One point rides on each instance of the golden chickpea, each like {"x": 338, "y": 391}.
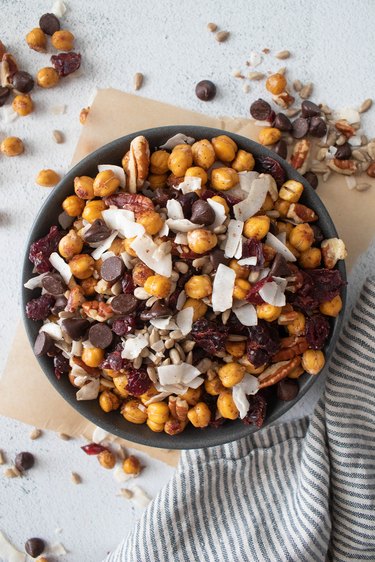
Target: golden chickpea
{"x": 276, "y": 83}
{"x": 151, "y": 221}
{"x": 192, "y": 395}
{"x": 291, "y": 191}
{"x": 150, "y": 393}
{"x": 198, "y": 306}
{"x": 23, "y": 105}
{"x": 70, "y": 245}
{"x": 313, "y": 361}
{"x": 12, "y": 146}
{"x": 47, "y": 178}
{"x": 225, "y": 148}
{"x": 128, "y": 248}
{"x": 88, "y": 286}
{"x": 231, "y": 374}
{"x": 37, "y": 40}
{"x": 241, "y": 288}
{"x": 235, "y": 348}
{"x": 121, "y": 383}
{"x": 134, "y": 411}
{"x": 132, "y": 466}
{"x": 117, "y": 246}
{"x": 222, "y": 201}
{"x": 199, "y": 415}
{"x": 226, "y": 406}
{"x": 224, "y": 178}
{"x": 203, "y": 154}
{"x": 140, "y": 273}
{"x": 84, "y": 187}
{"x": 93, "y": 210}
{"x": 82, "y": 266}
{"x": 197, "y": 172}
{"x": 301, "y": 237}
{"x": 257, "y": 227}
{"x": 282, "y": 206}
{"x": 180, "y": 160}
{"x": 296, "y": 372}
{"x": 201, "y": 240}
{"x": 332, "y": 307}
{"x": 158, "y": 286}
{"x": 198, "y": 287}
{"x": 244, "y": 161}
{"x": 108, "y": 401}
{"x": 156, "y": 427}
{"x": 159, "y": 162}
{"x": 158, "y": 412}
{"x": 311, "y": 258}
{"x": 297, "y": 327}
{"x": 63, "y": 40}
{"x": 268, "y": 312}
{"x": 250, "y": 367}
{"x": 241, "y": 271}
{"x": 269, "y": 135}
{"x": 214, "y": 386}
{"x": 47, "y": 77}
{"x": 106, "y": 459}
{"x": 73, "y": 205}
{"x": 268, "y": 203}
{"x": 105, "y": 183}
{"x": 92, "y": 356}
{"x": 286, "y": 227}
{"x": 157, "y": 181}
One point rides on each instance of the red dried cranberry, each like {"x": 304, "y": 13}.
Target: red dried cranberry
{"x": 327, "y": 283}
{"x": 253, "y": 247}
{"x": 317, "y": 331}
{"x": 231, "y": 199}
{"x": 257, "y": 411}
{"x": 40, "y": 308}
{"x": 127, "y": 284}
{"x": 209, "y": 335}
{"x": 114, "y": 361}
{"x": 138, "y": 381}
{"x": 93, "y": 449}
{"x": 263, "y": 342}
{"x": 61, "y": 365}
{"x": 235, "y": 327}
{"x": 208, "y": 194}
{"x": 253, "y": 295}
{"x": 268, "y": 165}
{"x": 124, "y": 325}
{"x": 66, "y": 63}
{"x": 41, "y": 249}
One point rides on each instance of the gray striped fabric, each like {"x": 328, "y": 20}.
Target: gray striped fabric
{"x": 301, "y": 491}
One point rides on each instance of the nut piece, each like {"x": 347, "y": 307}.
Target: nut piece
{"x": 333, "y": 249}
{"x": 47, "y": 178}
{"x": 284, "y": 100}
{"x": 75, "y": 478}
{"x": 300, "y": 152}
{"x": 278, "y": 371}
{"x": 12, "y": 146}
{"x": 83, "y": 115}
{"x": 365, "y": 105}
{"x": 138, "y": 81}
{"x": 222, "y": 36}
{"x": 37, "y": 40}
{"x": 139, "y": 161}
{"x": 212, "y": 27}
{"x": 35, "y": 434}
{"x": 346, "y": 167}
{"x": 300, "y": 213}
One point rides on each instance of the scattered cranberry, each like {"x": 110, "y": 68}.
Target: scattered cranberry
{"x": 257, "y": 411}
{"x": 209, "y": 335}
{"x": 317, "y": 331}
{"x": 66, "y": 63}
{"x": 138, "y": 381}
{"x": 93, "y": 449}
{"x": 41, "y": 249}
{"x": 40, "y": 308}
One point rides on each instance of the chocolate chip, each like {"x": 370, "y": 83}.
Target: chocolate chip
{"x": 300, "y": 128}
{"x": 4, "y": 94}
{"x": 34, "y": 547}
{"x": 202, "y": 213}
{"x": 49, "y": 24}
{"x": 100, "y": 335}
{"x": 54, "y": 284}
{"x": 310, "y": 109}
{"x": 287, "y": 389}
{"x": 97, "y": 232}
{"x": 112, "y": 269}
{"x": 124, "y": 304}
{"x": 312, "y": 178}
{"x": 60, "y": 304}
{"x": 281, "y": 148}
{"x": 260, "y": 110}
{"x": 43, "y": 344}
{"x": 343, "y": 152}
{"x": 318, "y": 233}
{"x": 75, "y": 327}
{"x": 22, "y": 81}
{"x": 279, "y": 267}
{"x": 24, "y": 461}
{"x": 217, "y": 257}
{"x": 282, "y": 122}
{"x": 205, "y": 90}
{"x": 186, "y": 201}
{"x": 158, "y": 310}
{"x": 318, "y": 127}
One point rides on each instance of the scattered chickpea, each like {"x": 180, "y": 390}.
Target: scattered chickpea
{"x": 243, "y": 162}
{"x": 332, "y": 307}
{"x": 107, "y": 459}
{"x": 84, "y": 187}
{"x": 180, "y": 160}
{"x": 133, "y": 413}
{"x": 159, "y": 162}
{"x": 269, "y": 135}
{"x": 197, "y": 172}
{"x": 73, "y": 205}
{"x": 231, "y": 374}
{"x": 276, "y": 83}
{"x": 241, "y": 288}
{"x": 70, "y": 245}
{"x": 313, "y": 361}
{"x": 158, "y": 286}
{"x": 37, "y": 40}
{"x": 226, "y": 406}
{"x": 198, "y": 306}
{"x": 82, "y": 266}
{"x": 158, "y": 412}
{"x": 257, "y": 227}
{"x": 93, "y": 210}
{"x": 88, "y": 286}
{"x": 201, "y": 240}
{"x": 235, "y": 348}
{"x": 297, "y": 327}
{"x": 151, "y": 221}
{"x": 92, "y": 356}
{"x": 63, "y": 40}
{"x": 132, "y": 466}
{"x": 199, "y": 415}
{"x": 198, "y": 287}
{"x": 108, "y": 401}
{"x": 47, "y": 77}
{"x": 222, "y": 201}
{"x": 224, "y": 178}
{"x": 301, "y": 237}
{"x": 268, "y": 312}
{"x": 225, "y": 148}
{"x": 22, "y": 104}
{"x": 48, "y": 178}
{"x": 311, "y": 258}
{"x": 291, "y": 191}
{"x": 12, "y": 146}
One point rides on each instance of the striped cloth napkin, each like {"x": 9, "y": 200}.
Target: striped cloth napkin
{"x": 300, "y": 491}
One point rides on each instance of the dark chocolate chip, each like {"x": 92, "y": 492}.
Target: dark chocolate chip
{"x": 34, "y": 547}
{"x": 97, "y": 232}
{"x": 49, "y": 23}
{"x": 100, "y": 335}
{"x": 43, "y": 344}
{"x": 287, "y": 389}
{"x": 4, "y": 94}
{"x": 186, "y": 201}
{"x": 24, "y": 461}
{"x": 75, "y": 327}
{"x": 158, "y": 310}
{"x": 124, "y": 304}
{"x": 283, "y": 123}
{"x": 279, "y": 267}
{"x": 343, "y": 152}
{"x": 217, "y": 257}
{"x": 112, "y": 269}
{"x": 60, "y": 304}
{"x": 260, "y": 110}
{"x": 54, "y": 284}
{"x": 22, "y": 81}
{"x": 205, "y": 90}
{"x": 318, "y": 127}
{"x": 202, "y": 213}
{"x": 310, "y": 109}
{"x": 281, "y": 148}
{"x": 312, "y": 178}
{"x": 300, "y": 128}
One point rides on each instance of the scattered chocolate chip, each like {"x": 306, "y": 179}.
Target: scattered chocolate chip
{"x": 300, "y": 128}
{"x": 97, "y": 232}
{"x": 4, "y": 94}
{"x": 49, "y": 23}
{"x": 112, "y": 269}
{"x": 34, "y": 547}
{"x": 287, "y": 389}
{"x": 100, "y": 335}
{"x": 202, "y": 213}
{"x": 124, "y": 304}
{"x": 217, "y": 257}
{"x": 281, "y": 148}
{"x": 22, "y": 81}
{"x": 318, "y": 127}
{"x": 24, "y": 461}
{"x": 75, "y": 327}
{"x": 279, "y": 267}
{"x": 205, "y": 90}
{"x": 310, "y": 109}
{"x": 59, "y": 305}
{"x": 343, "y": 152}
{"x": 54, "y": 284}
{"x": 312, "y": 178}
{"x": 43, "y": 344}
{"x": 260, "y": 110}
{"x": 158, "y": 310}
{"x": 283, "y": 123}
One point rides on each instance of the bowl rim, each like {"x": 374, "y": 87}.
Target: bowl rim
{"x": 215, "y": 437}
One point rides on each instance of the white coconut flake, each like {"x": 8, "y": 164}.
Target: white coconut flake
{"x": 246, "y": 179}
{"x": 195, "y": 383}
{"x": 164, "y": 323}
{"x": 246, "y": 314}
{"x": 134, "y": 345}
{"x": 174, "y": 209}
{"x": 271, "y": 293}
{"x": 89, "y": 391}
{"x": 331, "y": 152}
{"x": 61, "y": 266}
{"x": 157, "y": 398}
{"x": 65, "y": 221}
{"x": 222, "y": 290}
{"x": 183, "y": 373}
{"x": 8, "y": 552}
{"x": 77, "y": 347}
{"x": 35, "y": 282}
{"x": 117, "y": 170}
{"x": 122, "y": 221}
{"x": 255, "y": 59}
{"x": 8, "y": 114}
{"x": 251, "y": 260}
{"x": 248, "y": 385}
{"x": 119, "y": 475}
{"x": 184, "y": 320}
{"x": 146, "y": 249}
{"x": 182, "y": 225}
{"x": 181, "y": 238}
{"x": 99, "y": 251}
{"x": 234, "y": 237}
{"x": 99, "y": 434}
{"x": 190, "y": 185}
{"x": 140, "y": 497}
{"x": 53, "y": 330}
{"x": 164, "y": 231}
{"x": 220, "y": 215}
{"x": 58, "y": 8}
{"x": 254, "y": 201}
{"x": 263, "y": 273}
{"x": 180, "y": 138}
{"x": 171, "y": 388}
{"x": 127, "y": 259}
{"x": 277, "y": 245}
{"x": 181, "y": 300}
{"x": 350, "y": 114}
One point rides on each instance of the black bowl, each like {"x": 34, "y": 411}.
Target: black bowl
{"x": 113, "y": 422}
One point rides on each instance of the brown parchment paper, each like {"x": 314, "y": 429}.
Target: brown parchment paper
{"x": 113, "y": 114}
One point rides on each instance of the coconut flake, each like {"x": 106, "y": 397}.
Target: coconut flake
{"x": 149, "y": 253}
{"x": 58, "y": 8}
{"x": 254, "y": 201}
{"x": 277, "y": 245}
{"x": 174, "y": 209}
{"x": 248, "y": 385}
{"x": 140, "y": 497}
{"x": 53, "y": 330}
{"x": 271, "y": 293}
{"x": 117, "y": 170}
{"x": 356, "y": 140}
{"x": 65, "y": 221}
{"x": 76, "y": 348}
{"x": 183, "y": 373}
{"x": 157, "y": 398}
{"x": 8, "y": 552}
{"x": 99, "y": 435}
{"x": 164, "y": 323}
{"x": 255, "y": 59}
{"x": 234, "y": 237}
{"x": 349, "y": 114}
{"x": 122, "y": 221}
{"x": 134, "y": 345}
{"x": 181, "y": 238}
{"x": 190, "y": 184}
{"x": 251, "y": 260}
{"x": 35, "y": 282}
{"x": 220, "y": 215}
{"x": 246, "y": 314}
{"x": 246, "y": 179}
{"x": 89, "y": 391}
{"x": 99, "y": 251}
{"x": 195, "y": 383}
{"x": 127, "y": 259}
{"x": 164, "y": 231}
{"x": 180, "y": 138}
{"x": 61, "y": 266}
{"x": 8, "y": 114}
{"x": 222, "y": 290}
{"x": 182, "y": 225}
{"x": 184, "y": 320}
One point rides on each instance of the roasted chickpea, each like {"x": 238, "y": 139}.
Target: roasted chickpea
{"x": 302, "y": 237}
{"x": 106, "y": 459}
{"x": 150, "y": 393}
{"x": 296, "y": 372}
{"x": 297, "y": 327}
{"x": 268, "y": 203}
{"x": 225, "y": 148}
{"x": 151, "y": 221}
{"x": 203, "y": 154}
{"x": 222, "y": 201}
{"x": 198, "y": 287}
{"x": 134, "y": 411}
{"x": 332, "y": 307}
{"x": 157, "y": 181}
{"x": 198, "y": 306}
{"x": 244, "y": 161}
{"x": 82, "y": 266}
{"x": 174, "y": 426}
{"x": 159, "y": 162}
{"x": 63, "y": 40}
{"x": 213, "y": 386}
{"x": 282, "y": 207}
{"x": 286, "y": 227}
{"x": 140, "y": 273}
{"x": 197, "y": 172}
{"x": 47, "y": 77}
{"x": 108, "y": 401}
{"x": 117, "y": 246}
{"x": 37, "y": 40}
{"x": 276, "y": 83}
{"x": 128, "y": 248}
{"x": 105, "y": 183}
{"x": 268, "y": 312}
{"x": 241, "y": 288}
{"x": 311, "y": 258}
{"x": 156, "y": 427}
{"x": 158, "y": 412}
{"x": 313, "y": 361}
{"x": 224, "y": 178}
{"x": 12, "y": 146}
{"x": 257, "y": 227}
{"x": 269, "y": 135}
{"x": 92, "y": 356}
{"x": 70, "y": 245}
{"x": 180, "y": 160}
{"x": 241, "y": 271}
{"x": 291, "y": 191}
{"x": 84, "y": 187}
{"x": 73, "y": 205}
{"x": 22, "y": 104}
{"x": 235, "y": 348}
{"x": 88, "y": 286}
{"x": 93, "y": 210}
{"x": 201, "y": 240}
{"x": 199, "y": 415}
{"x": 47, "y": 178}
{"x": 158, "y": 286}
{"x": 132, "y": 466}
{"x": 121, "y": 383}
{"x": 250, "y": 367}
{"x": 292, "y": 249}
{"x": 231, "y": 374}
{"x": 192, "y": 395}
{"x": 226, "y": 406}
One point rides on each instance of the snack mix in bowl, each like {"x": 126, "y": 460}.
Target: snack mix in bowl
{"x": 181, "y": 286}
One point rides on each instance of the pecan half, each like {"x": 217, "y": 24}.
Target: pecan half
{"x": 300, "y": 152}
{"x": 278, "y": 371}
{"x": 292, "y": 351}
{"x": 286, "y": 318}
{"x": 178, "y": 407}
{"x": 343, "y": 126}
{"x": 333, "y": 249}
{"x": 300, "y": 213}
{"x": 75, "y": 299}
{"x": 139, "y": 161}
{"x": 346, "y": 167}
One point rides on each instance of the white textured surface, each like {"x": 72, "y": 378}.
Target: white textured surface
{"x": 169, "y": 43}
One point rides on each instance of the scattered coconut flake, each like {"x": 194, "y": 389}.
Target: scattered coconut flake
{"x": 61, "y": 266}
{"x": 246, "y": 314}
{"x": 174, "y": 209}
{"x": 164, "y": 323}
{"x": 282, "y": 283}
{"x": 349, "y": 113}
{"x": 134, "y": 345}
{"x": 65, "y": 221}
{"x": 181, "y": 301}
{"x": 53, "y": 330}
{"x": 351, "y": 182}
{"x": 190, "y": 184}
{"x": 164, "y": 231}
{"x": 8, "y": 114}
{"x": 145, "y": 249}
{"x": 99, "y": 251}
{"x": 184, "y": 320}
{"x": 119, "y": 475}
{"x": 122, "y": 221}
{"x": 277, "y": 245}
{"x": 58, "y": 109}
{"x": 255, "y": 59}
{"x": 248, "y": 385}
{"x": 56, "y": 549}
{"x": 271, "y": 293}
{"x": 251, "y": 260}
{"x": 182, "y": 225}
{"x": 222, "y": 290}
{"x": 181, "y": 238}
{"x": 180, "y": 138}
{"x": 183, "y": 373}
{"x": 117, "y": 170}
{"x": 99, "y": 435}
{"x": 76, "y": 348}
{"x": 234, "y": 237}
{"x": 58, "y": 8}
{"x": 89, "y": 391}
{"x": 195, "y": 383}
{"x": 253, "y": 202}
{"x": 140, "y": 497}
{"x": 8, "y": 552}
{"x": 219, "y": 211}
{"x": 35, "y": 282}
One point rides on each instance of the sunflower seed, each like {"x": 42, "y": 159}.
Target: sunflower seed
{"x": 169, "y": 343}
{"x": 246, "y": 88}
{"x": 364, "y": 140}
{"x": 362, "y": 186}
{"x": 64, "y": 436}
{"x": 222, "y": 36}
{"x": 326, "y": 110}
{"x": 137, "y": 80}
{"x": 306, "y": 91}
{"x": 189, "y": 358}
{"x": 176, "y": 334}
{"x": 281, "y": 70}
{"x": 371, "y": 149}
{"x": 174, "y": 356}
{"x": 58, "y": 137}
{"x": 255, "y": 75}
{"x": 225, "y": 316}
{"x": 166, "y": 361}
{"x": 75, "y": 478}
{"x": 365, "y": 105}
{"x": 341, "y": 140}
{"x": 2, "y": 459}
{"x": 35, "y": 434}
{"x": 282, "y": 55}
{"x": 358, "y": 155}
{"x": 126, "y": 493}
{"x": 292, "y": 111}
{"x": 237, "y": 74}
{"x": 188, "y": 345}
{"x": 297, "y": 85}
{"x": 180, "y": 350}
{"x": 181, "y": 266}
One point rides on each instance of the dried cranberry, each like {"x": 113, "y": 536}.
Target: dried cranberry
{"x": 61, "y": 365}
{"x": 41, "y": 249}
{"x": 327, "y": 283}
{"x": 263, "y": 342}
{"x": 209, "y": 335}
{"x": 93, "y": 448}
{"x": 235, "y": 327}
{"x": 138, "y": 381}
{"x": 257, "y": 411}
{"x": 208, "y": 194}
{"x": 66, "y": 63}
{"x": 161, "y": 196}
{"x": 186, "y": 201}
{"x": 124, "y": 325}
{"x": 114, "y": 361}
{"x": 317, "y": 331}
{"x": 253, "y": 247}
{"x": 268, "y": 165}
{"x": 40, "y": 308}
{"x": 231, "y": 199}
{"x": 253, "y": 295}
{"x": 127, "y": 284}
